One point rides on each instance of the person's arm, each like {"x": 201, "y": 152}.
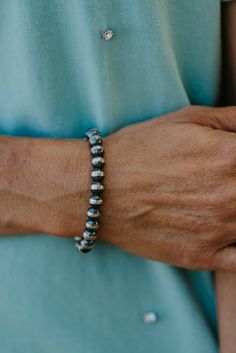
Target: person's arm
{"x": 170, "y": 187}
{"x": 44, "y": 185}
{"x": 226, "y": 281}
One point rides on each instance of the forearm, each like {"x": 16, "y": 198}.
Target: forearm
{"x": 226, "y": 304}
{"x": 226, "y": 281}
{"x": 43, "y": 185}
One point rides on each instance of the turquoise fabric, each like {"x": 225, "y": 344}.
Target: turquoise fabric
{"x": 57, "y": 78}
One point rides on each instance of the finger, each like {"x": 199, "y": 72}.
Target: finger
{"x": 223, "y": 118}
{"x": 225, "y": 259}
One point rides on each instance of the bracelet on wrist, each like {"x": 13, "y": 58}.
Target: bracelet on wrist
{"x": 86, "y": 241}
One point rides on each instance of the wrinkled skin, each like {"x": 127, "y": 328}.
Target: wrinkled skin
{"x": 171, "y": 189}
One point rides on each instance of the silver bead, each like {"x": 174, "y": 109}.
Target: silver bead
{"x": 97, "y": 174}
{"x": 78, "y": 246}
{"x": 91, "y": 132}
{"x": 150, "y": 318}
{"x": 92, "y": 224}
{"x": 97, "y": 150}
{"x": 93, "y": 212}
{"x": 95, "y": 200}
{"x": 96, "y": 186}
{"x": 95, "y": 140}
{"x": 107, "y": 34}
{"x": 82, "y": 248}
{"x": 84, "y": 244}
{"x": 98, "y": 162}
{"x": 89, "y": 234}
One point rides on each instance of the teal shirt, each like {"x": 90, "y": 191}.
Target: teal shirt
{"x": 57, "y": 78}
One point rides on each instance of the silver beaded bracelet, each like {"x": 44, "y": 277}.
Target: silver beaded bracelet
{"x": 86, "y": 242}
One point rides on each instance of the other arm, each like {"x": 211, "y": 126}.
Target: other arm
{"x": 226, "y": 281}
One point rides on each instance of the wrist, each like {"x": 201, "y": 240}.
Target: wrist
{"x": 14, "y": 200}
{"x": 86, "y": 240}
{"x": 44, "y": 184}
{"x": 68, "y": 184}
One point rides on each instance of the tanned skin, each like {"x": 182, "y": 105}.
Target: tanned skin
{"x": 226, "y": 281}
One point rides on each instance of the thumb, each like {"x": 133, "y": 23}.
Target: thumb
{"x": 225, "y": 259}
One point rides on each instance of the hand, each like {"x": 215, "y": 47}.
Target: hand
{"x": 171, "y": 189}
